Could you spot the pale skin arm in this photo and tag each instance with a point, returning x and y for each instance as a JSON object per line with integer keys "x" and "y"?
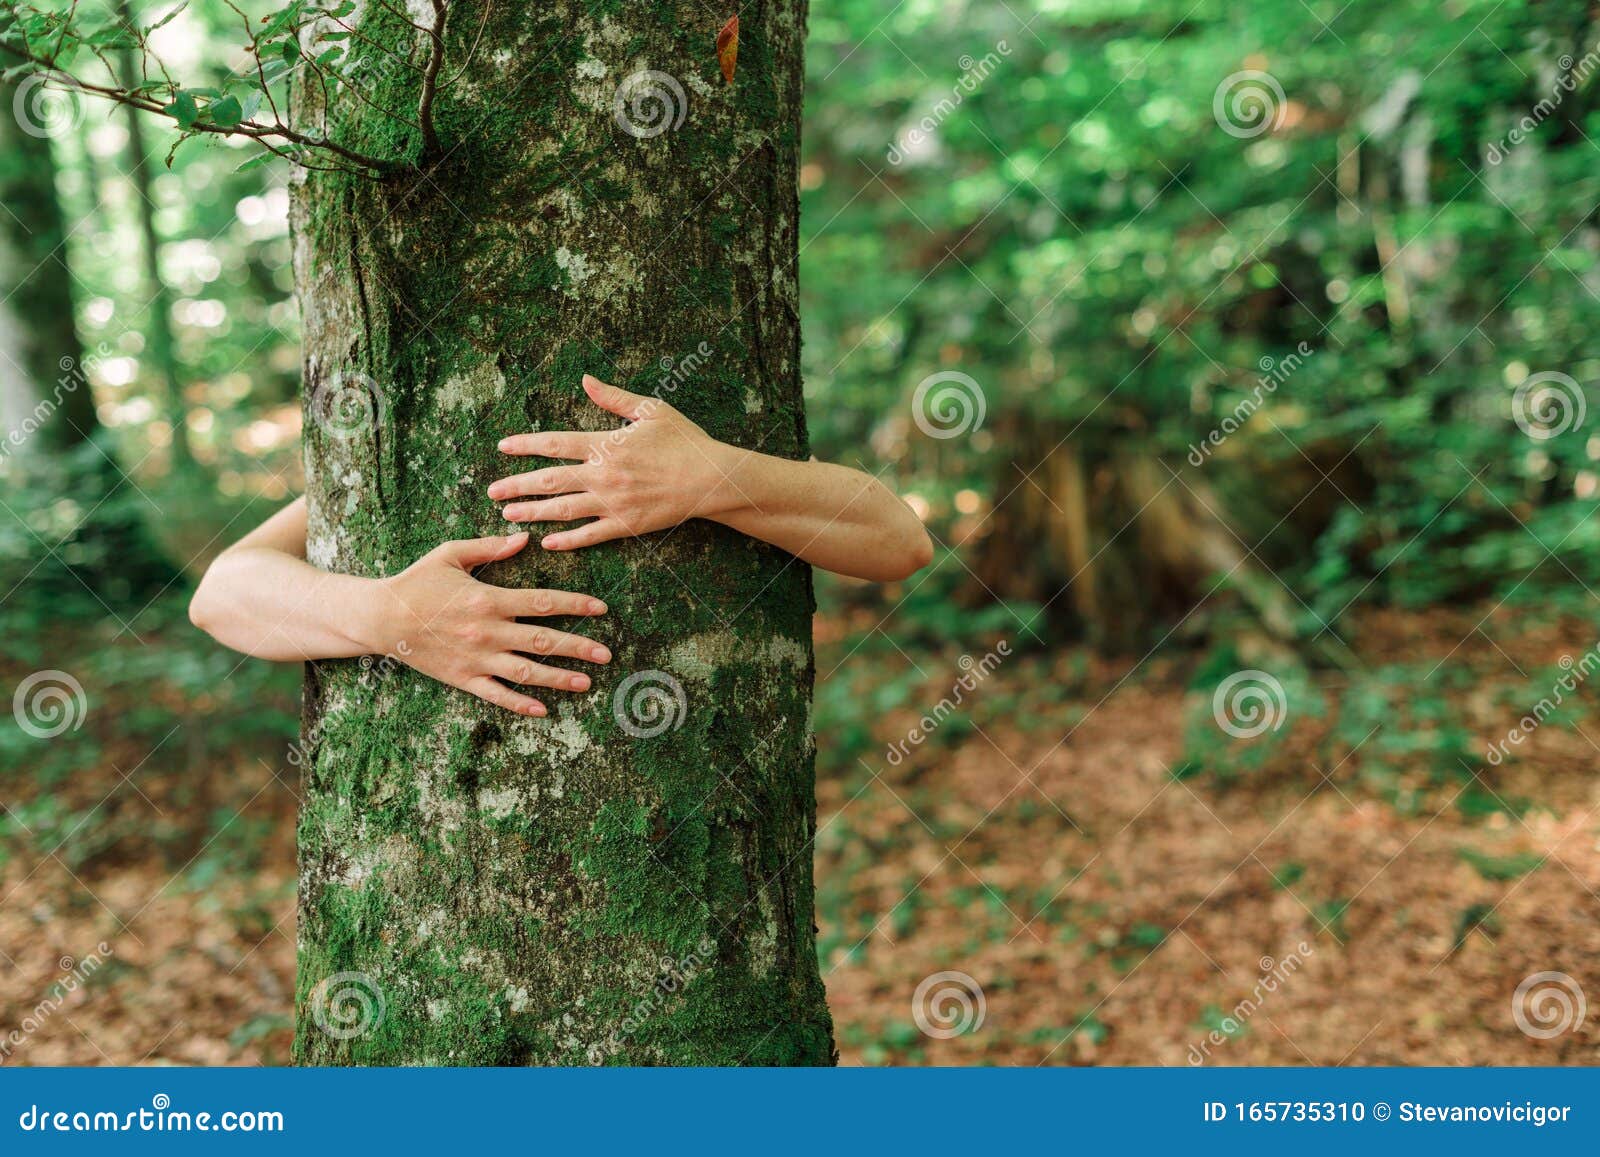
{"x": 661, "y": 469}
{"x": 263, "y": 598}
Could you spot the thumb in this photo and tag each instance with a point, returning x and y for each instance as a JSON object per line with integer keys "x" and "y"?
{"x": 617, "y": 400}
{"x": 467, "y": 553}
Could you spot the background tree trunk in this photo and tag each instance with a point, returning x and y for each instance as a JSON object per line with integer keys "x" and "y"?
{"x": 158, "y": 329}
{"x": 566, "y": 890}
{"x": 53, "y": 445}
{"x": 39, "y": 351}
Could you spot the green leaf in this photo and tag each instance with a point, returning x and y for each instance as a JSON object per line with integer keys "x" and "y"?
{"x": 226, "y": 112}
{"x": 184, "y": 110}
{"x": 289, "y": 50}
{"x": 255, "y": 162}
{"x": 1501, "y": 868}
{"x": 167, "y": 19}
{"x": 283, "y": 18}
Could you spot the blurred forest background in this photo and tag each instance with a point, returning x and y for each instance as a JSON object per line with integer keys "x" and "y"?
{"x": 1268, "y": 341}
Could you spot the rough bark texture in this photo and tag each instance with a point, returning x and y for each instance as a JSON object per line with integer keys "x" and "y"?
{"x": 559, "y": 891}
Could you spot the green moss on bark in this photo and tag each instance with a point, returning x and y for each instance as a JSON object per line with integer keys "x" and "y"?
{"x": 561, "y": 891}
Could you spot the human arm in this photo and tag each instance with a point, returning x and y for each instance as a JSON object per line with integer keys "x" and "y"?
{"x": 662, "y": 469}
{"x": 263, "y": 598}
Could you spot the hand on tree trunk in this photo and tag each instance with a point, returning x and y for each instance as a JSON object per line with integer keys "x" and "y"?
{"x": 463, "y": 632}
{"x": 653, "y": 473}
{"x": 661, "y": 469}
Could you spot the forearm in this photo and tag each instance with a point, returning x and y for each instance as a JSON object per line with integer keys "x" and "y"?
{"x": 269, "y": 604}
{"x": 831, "y": 516}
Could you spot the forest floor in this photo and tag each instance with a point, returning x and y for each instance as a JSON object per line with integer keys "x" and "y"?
{"x": 1052, "y": 844}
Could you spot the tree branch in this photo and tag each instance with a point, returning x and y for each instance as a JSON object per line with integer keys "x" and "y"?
{"x": 252, "y": 130}
{"x": 430, "y": 80}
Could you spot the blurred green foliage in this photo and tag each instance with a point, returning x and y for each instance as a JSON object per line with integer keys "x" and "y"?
{"x": 1130, "y": 222}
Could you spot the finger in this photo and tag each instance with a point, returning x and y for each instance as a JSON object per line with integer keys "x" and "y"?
{"x": 553, "y": 444}
{"x": 545, "y": 641}
{"x": 467, "y": 553}
{"x": 528, "y": 603}
{"x": 520, "y": 669}
{"x": 617, "y": 400}
{"x": 600, "y": 530}
{"x": 500, "y": 695}
{"x": 566, "y": 508}
{"x": 550, "y": 480}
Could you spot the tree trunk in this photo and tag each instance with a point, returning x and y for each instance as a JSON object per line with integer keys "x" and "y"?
{"x": 628, "y": 880}
{"x": 158, "y": 330}
{"x": 52, "y": 445}
{"x": 44, "y": 401}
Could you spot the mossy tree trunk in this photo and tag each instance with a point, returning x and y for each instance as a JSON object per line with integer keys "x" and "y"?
{"x": 476, "y": 887}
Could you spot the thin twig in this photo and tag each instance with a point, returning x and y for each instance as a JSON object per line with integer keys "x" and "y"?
{"x": 261, "y": 133}
{"x": 430, "y": 81}
{"x": 488, "y": 7}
